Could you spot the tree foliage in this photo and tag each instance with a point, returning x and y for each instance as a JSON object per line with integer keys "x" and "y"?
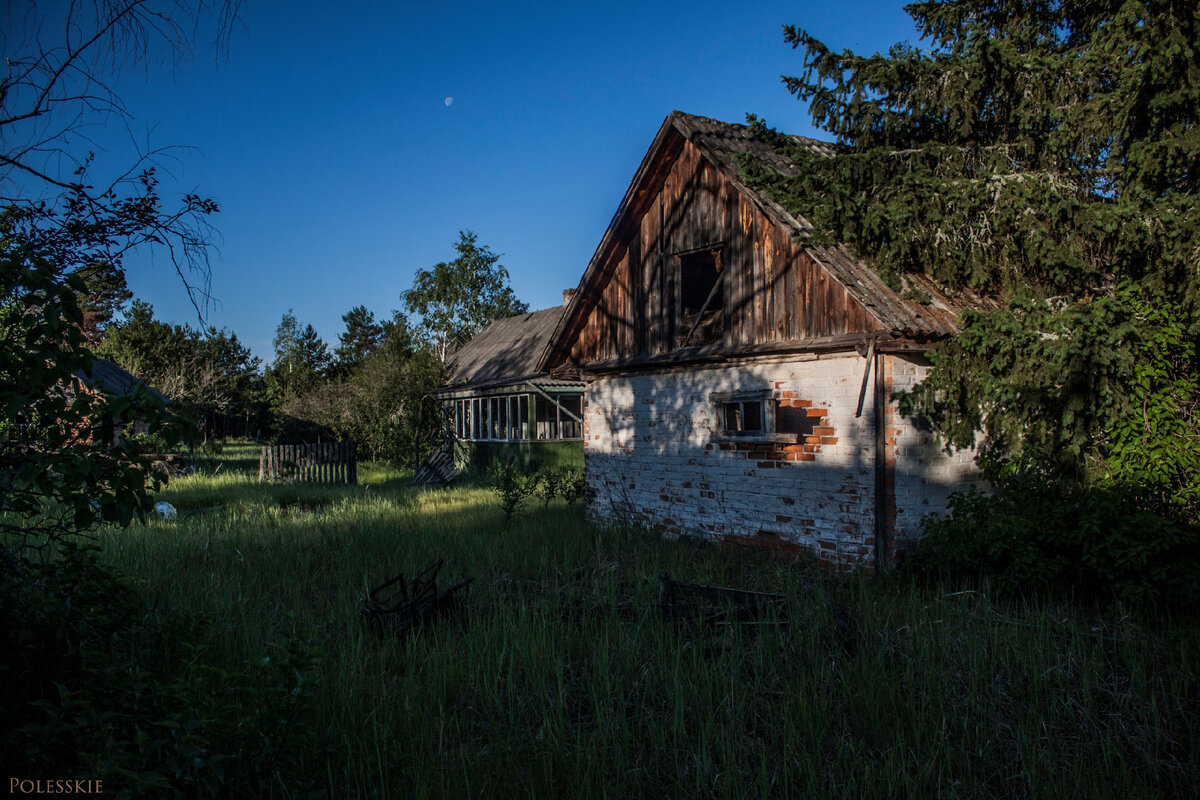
{"x": 457, "y": 299}
{"x": 208, "y": 375}
{"x": 60, "y": 472}
{"x": 301, "y": 361}
{"x": 360, "y": 339}
{"x": 1041, "y": 163}
{"x": 377, "y": 403}
{"x": 105, "y": 296}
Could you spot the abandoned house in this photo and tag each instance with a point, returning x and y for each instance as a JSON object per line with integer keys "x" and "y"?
{"x": 499, "y": 404}
{"x": 108, "y": 377}
{"x": 738, "y": 379}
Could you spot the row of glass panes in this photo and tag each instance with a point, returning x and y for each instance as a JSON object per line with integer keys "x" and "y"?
{"x": 506, "y": 418}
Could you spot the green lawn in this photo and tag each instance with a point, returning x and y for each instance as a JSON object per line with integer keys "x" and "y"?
{"x": 558, "y": 678}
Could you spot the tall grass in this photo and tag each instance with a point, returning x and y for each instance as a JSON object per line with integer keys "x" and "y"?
{"x": 558, "y": 678}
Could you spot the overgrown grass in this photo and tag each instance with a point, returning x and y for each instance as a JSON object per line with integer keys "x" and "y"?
{"x": 559, "y": 679}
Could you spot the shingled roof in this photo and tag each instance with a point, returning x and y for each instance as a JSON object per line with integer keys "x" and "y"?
{"x": 507, "y": 351}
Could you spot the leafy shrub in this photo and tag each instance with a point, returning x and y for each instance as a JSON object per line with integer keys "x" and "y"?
{"x": 511, "y": 485}
{"x": 148, "y": 443}
{"x": 572, "y": 485}
{"x": 549, "y": 486}
{"x": 1034, "y": 535}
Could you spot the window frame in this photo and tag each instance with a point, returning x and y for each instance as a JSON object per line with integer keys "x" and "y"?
{"x": 505, "y": 417}
{"x": 767, "y": 402}
{"x": 717, "y": 252}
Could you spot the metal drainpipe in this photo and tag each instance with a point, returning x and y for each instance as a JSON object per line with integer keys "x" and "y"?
{"x": 880, "y": 466}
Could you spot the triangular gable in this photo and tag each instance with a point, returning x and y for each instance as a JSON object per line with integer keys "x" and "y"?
{"x": 836, "y": 284}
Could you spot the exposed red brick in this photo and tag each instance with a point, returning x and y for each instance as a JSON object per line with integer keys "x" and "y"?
{"x": 829, "y": 440}
{"x": 818, "y": 412}
{"x": 823, "y": 431}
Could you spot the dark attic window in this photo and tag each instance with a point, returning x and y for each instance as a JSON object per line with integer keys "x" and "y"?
{"x": 701, "y": 317}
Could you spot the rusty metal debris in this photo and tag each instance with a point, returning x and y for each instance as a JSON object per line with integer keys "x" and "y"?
{"x": 678, "y": 602}
{"x": 398, "y": 606}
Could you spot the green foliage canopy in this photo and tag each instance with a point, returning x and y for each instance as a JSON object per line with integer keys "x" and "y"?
{"x": 204, "y": 373}
{"x": 61, "y": 469}
{"x": 457, "y": 299}
{"x": 1040, "y": 162}
{"x": 361, "y": 338}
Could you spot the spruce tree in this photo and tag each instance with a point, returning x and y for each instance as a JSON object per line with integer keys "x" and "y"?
{"x": 1040, "y": 162}
{"x": 360, "y": 339}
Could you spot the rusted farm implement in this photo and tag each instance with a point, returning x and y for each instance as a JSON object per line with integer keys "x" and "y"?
{"x": 398, "y": 606}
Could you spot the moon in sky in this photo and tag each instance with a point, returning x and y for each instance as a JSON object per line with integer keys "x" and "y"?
{"x": 449, "y": 100}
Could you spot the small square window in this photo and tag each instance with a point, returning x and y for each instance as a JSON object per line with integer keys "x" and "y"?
{"x": 742, "y": 415}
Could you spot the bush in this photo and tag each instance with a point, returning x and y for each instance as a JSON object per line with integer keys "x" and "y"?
{"x": 1035, "y": 536}
{"x": 572, "y": 485}
{"x": 510, "y": 485}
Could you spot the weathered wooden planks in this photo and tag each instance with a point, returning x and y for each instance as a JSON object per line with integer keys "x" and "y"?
{"x": 320, "y": 462}
{"x": 773, "y": 291}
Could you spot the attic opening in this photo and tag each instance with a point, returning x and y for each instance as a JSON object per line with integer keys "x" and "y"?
{"x": 701, "y": 310}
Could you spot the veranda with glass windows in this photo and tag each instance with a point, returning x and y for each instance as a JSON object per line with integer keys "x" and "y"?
{"x": 517, "y": 417}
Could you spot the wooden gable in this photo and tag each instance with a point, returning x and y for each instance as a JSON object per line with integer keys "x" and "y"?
{"x": 687, "y": 217}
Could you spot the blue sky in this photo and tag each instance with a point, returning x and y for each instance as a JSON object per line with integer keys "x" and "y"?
{"x": 341, "y": 167}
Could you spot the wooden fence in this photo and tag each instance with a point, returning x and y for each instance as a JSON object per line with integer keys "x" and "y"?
{"x": 323, "y": 462}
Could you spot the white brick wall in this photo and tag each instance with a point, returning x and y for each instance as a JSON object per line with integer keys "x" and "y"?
{"x": 652, "y": 459}
{"x": 925, "y": 474}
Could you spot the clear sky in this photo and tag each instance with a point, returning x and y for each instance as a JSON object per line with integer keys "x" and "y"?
{"x": 348, "y": 143}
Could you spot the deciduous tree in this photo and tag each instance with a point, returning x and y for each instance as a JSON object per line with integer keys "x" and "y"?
{"x": 63, "y": 213}
{"x": 457, "y": 299}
